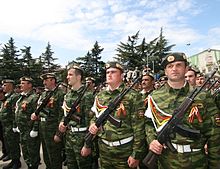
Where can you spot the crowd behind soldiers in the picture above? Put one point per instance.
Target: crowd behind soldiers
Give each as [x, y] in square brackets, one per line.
[142, 112]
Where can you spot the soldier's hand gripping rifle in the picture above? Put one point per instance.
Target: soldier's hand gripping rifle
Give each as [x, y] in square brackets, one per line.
[71, 114]
[174, 125]
[44, 102]
[106, 115]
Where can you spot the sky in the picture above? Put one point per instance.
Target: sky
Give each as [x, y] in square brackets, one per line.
[73, 26]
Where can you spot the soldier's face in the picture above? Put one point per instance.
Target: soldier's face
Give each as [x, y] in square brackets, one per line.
[49, 83]
[200, 80]
[72, 77]
[176, 71]
[25, 86]
[113, 76]
[146, 82]
[7, 87]
[191, 77]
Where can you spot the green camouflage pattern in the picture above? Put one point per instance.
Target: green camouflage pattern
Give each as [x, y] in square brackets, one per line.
[52, 151]
[7, 114]
[25, 106]
[168, 99]
[130, 112]
[75, 140]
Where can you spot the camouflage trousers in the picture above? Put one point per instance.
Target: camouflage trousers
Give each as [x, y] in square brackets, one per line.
[73, 146]
[171, 160]
[30, 147]
[52, 151]
[11, 140]
[114, 157]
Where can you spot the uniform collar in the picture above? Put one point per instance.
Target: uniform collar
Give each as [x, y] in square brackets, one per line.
[182, 90]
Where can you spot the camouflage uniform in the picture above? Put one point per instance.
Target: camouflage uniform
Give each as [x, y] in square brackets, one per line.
[49, 121]
[8, 121]
[193, 155]
[117, 144]
[77, 130]
[25, 106]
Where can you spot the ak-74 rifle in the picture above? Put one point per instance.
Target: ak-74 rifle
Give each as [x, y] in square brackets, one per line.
[174, 125]
[71, 114]
[106, 115]
[41, 107]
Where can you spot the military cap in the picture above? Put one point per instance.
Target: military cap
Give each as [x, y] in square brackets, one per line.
[114, 65]
[173, 57]
[29, 79]
[192, 68]
[90, 78]
[78, 67]
[200, 75]
[48, 75]
[163, 78]
[148, 73]
[8, 81]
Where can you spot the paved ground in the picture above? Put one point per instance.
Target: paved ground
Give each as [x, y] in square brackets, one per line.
[24, 166]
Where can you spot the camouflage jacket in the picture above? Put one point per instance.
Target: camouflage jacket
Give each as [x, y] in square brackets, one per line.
[8, 108]
[53, 110]
[205, 119]
[129, 111]
[25, 106]
[82, 113]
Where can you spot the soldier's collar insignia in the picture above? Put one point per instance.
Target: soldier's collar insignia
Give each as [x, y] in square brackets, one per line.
[170, 58]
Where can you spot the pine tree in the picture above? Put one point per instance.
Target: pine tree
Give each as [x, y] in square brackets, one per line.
[10, 66]
[47, 60]
[127, 53]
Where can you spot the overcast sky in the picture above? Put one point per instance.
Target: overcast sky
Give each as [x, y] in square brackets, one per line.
[73, 26]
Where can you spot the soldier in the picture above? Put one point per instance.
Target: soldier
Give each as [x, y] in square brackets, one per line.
[147, 84]
[49, 121]
[200, 78]
[190, 76]
[203, 116]
[91, 82]
[119, 147]
[78, 125]
[25, 105]
[4, 149]
[8, 120]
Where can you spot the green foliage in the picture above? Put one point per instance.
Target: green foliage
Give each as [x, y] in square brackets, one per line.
[92, 64]
[17, 63]
[132, 54]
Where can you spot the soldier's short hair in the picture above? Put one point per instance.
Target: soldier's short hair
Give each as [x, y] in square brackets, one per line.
[78, 70]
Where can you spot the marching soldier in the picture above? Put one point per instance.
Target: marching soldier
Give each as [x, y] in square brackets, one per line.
[25, 105]
[190, 76]
[119, 147]
[4, 149]
[78, 125]
[49, 120]
[8, 121]
[203, 116]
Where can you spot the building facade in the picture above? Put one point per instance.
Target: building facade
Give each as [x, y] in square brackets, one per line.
[206, 60]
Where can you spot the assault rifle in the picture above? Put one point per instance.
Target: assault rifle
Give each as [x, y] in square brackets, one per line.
[106, 115]
[41, 107]
[71, 114]
[174, 125]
